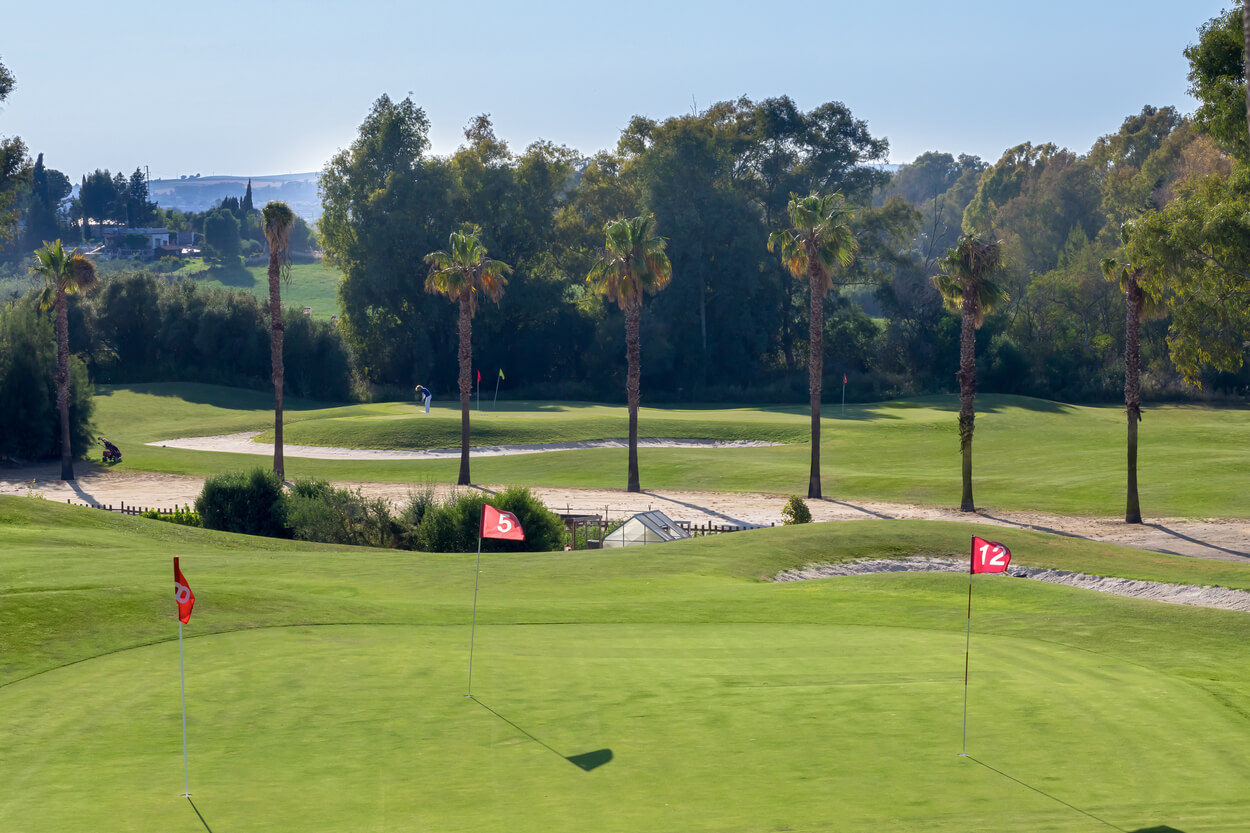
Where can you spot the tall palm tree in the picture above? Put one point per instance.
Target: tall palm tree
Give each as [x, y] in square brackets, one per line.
[462, 274]
[279, 219]
[818, 243]
[1136, 304]
[966, 288]
[633, 264]
[64, 273]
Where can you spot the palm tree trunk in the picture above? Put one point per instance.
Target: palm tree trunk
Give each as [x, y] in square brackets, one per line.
[815, 367]
[466, 388]
[967, 393]
[1245, 34]
[633, 385]
[276, 331]
[62, 382]
[1132, 390]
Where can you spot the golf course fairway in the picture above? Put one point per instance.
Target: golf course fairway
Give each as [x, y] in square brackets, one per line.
[667, 688]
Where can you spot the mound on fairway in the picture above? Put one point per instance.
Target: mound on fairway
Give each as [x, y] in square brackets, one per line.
[664, 688]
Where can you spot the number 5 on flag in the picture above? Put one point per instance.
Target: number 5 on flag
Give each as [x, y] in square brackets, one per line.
[499, 524]
[989, 556]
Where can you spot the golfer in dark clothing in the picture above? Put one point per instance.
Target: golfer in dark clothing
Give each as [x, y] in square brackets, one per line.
[424, 393]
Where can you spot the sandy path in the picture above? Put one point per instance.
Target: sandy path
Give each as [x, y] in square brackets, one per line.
[244, 443]
[1225, 539]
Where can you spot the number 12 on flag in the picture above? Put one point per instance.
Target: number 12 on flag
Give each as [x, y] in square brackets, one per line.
[989, 556]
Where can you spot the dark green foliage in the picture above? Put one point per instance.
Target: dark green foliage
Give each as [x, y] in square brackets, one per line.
[796, 512]
[248, 502]
[1217, 79]
[29, 428]
[453, 526]
[317, 511]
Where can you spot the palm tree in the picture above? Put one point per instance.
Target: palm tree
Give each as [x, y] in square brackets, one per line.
[966, 288]
[279, 220]
[462, 274]
[1136, 304]
[63, 273]
[633, 263]
[818, 243]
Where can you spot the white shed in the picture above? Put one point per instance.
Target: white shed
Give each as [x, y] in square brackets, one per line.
[644, 528]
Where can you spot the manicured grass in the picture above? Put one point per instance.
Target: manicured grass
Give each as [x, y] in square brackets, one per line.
[1028, 453]
[325, 690]
[313, 285]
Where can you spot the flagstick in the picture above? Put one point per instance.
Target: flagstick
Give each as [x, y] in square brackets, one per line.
[496, 399]
[844, 396]
[186, 769]
[967, 644]
[477, 572]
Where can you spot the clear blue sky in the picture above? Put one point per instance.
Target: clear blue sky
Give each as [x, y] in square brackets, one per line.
[225, 87]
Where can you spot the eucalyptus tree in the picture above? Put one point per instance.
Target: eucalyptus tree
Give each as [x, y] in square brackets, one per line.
[1136, 301]
[633, 264]
[965, 286]
[279, 219]
[818, 243]
[63, 273]
[462, 274]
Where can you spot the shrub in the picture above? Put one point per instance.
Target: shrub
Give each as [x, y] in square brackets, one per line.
[796, 511]
[183, 516]
[452, 526]
[317, 511]
[248, 502]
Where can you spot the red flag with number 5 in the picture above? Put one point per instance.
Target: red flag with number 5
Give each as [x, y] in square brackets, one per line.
[989, 556]
[182, 595]
[499, 524]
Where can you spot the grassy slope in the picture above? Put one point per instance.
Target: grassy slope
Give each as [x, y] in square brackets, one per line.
[1029, 454]
[312, 285]
[325, 689]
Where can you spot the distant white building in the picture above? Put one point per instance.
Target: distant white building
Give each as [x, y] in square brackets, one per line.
[116, 237]
[652, 527]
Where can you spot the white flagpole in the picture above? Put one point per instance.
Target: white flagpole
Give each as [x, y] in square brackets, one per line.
[495, 401]
[186, 770]
[477, 572]
[963, 750]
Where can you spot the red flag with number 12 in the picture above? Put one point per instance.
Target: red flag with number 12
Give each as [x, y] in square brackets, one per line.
[989, 556]
[499, 524]
[182, 595]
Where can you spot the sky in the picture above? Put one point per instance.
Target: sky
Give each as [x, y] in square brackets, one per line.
[251, 89]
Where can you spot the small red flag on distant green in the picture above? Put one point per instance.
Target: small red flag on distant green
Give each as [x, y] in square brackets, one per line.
[989, 556]
[182, 595]
[497, 523]
[479, 377]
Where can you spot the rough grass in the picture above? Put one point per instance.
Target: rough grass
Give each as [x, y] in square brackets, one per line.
[1028, 453]
[325, 689]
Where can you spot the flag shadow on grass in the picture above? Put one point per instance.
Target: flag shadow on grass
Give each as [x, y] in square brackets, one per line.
[585, 761]
[1085, 813]
[198, 813]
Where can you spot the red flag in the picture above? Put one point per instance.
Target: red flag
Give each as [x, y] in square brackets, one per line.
[499, 524]
[989, 556]
[844, 378]
[182, 595]
[479, 377]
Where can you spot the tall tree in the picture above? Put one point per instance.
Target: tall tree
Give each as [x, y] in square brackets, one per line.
[461, 274]
[14, 168]
[966, 288]
[818, 243]
[96, 195]
[1135, 300]
[633, 264]
[246, 205]
[63, 273]
[279, 218]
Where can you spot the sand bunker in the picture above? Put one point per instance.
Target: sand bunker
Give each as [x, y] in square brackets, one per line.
[1185, 594]
[245, 443]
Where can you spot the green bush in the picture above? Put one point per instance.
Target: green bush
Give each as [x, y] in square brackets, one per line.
[183, 516]
[248, 502]
[452, 526]
[318, 511]
[796, 511]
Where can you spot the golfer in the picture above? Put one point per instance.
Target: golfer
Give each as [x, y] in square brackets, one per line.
[424, 392]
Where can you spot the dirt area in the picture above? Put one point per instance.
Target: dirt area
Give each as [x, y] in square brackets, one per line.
[1218, 538]
[1186, 594]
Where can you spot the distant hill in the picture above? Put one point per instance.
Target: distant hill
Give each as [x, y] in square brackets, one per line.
[199, 193]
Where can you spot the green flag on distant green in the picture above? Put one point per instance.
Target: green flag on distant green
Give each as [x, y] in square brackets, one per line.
[501, 376]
